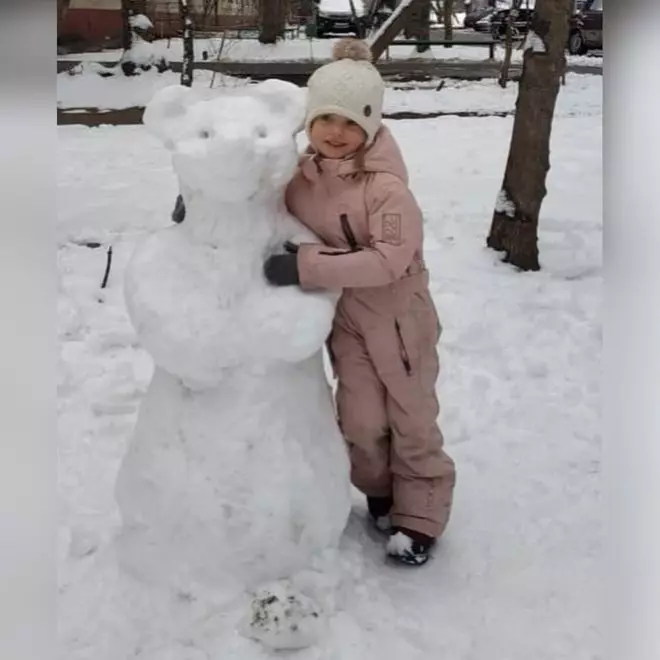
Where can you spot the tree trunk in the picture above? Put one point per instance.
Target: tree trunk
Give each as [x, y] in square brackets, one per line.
[272, 20]
[394, 24]
[506, 65]
[514, 228]
[188, 44]
[448, 7]
[126, 32]
[418, 25]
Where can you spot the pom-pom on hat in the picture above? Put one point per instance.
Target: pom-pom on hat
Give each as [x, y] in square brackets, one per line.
[349, 86]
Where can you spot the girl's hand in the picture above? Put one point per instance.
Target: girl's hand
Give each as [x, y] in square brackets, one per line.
[282, 269]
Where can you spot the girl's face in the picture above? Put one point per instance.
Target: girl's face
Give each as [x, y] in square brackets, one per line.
[334, 136]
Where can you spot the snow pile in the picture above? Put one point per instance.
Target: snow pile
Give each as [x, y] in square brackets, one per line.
[534, 43]
[505, 205]
[143, 54]
[283, 619]
[517, 574]
[141, 22]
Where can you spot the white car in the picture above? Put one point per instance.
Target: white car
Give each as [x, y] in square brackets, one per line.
[336, 17]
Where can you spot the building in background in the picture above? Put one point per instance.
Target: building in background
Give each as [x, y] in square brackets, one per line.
[99, 22]
[89, 21]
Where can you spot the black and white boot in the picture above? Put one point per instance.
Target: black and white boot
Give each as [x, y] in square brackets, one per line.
[409, 547]
[379, 510]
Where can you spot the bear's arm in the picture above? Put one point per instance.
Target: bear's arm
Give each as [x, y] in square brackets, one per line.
[191, 333]
[286, 323]
[177, 319]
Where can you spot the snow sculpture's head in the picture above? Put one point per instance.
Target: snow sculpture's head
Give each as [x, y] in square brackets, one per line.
[236, 146]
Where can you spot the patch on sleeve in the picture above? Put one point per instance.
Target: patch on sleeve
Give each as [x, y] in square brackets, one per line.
[391, 228]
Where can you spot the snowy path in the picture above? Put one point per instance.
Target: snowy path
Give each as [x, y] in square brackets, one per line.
[516, 575]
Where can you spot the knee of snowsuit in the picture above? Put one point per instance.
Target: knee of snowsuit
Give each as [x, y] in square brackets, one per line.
[387, 370]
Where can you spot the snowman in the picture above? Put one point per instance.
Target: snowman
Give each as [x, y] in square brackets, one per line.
[237, 475]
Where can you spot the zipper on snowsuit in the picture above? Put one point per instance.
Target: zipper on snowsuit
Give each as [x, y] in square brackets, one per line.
[350, 239]
[405, 358]
[348, 233]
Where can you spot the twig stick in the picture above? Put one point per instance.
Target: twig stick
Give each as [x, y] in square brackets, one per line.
[108, 265]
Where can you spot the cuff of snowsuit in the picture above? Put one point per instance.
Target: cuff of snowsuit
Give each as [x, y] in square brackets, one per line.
[306, 266]
[422, 525]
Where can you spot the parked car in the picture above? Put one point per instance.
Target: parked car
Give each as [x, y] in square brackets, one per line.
[481, 20]
[520, 26]
[586, 28]
[336, 17]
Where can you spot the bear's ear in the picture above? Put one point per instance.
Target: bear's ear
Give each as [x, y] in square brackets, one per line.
[165, 113]
[284, 99]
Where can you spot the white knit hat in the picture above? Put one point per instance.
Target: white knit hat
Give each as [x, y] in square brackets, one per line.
[350, 86]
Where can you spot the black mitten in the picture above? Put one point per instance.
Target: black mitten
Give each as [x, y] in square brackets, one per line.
[282, 269]
[179, 213]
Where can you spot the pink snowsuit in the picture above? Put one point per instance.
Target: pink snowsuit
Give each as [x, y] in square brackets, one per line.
[385, 332]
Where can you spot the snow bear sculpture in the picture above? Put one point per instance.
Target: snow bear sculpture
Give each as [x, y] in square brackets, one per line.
[237, 473]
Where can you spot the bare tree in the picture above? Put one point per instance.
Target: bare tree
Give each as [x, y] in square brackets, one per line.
[514, 228]
[188, 44]
[272, 20]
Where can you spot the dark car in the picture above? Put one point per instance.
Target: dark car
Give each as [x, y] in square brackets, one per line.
[520, 26]
[336, 17]
[586, 28]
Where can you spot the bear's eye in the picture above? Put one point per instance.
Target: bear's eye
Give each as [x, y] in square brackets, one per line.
[204, 134]
[261, 132]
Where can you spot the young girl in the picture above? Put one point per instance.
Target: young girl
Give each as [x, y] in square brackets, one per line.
[351, 190]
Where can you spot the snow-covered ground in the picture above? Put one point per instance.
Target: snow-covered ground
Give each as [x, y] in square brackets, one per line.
[516, 575]
[250, 50]
[581, 95]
